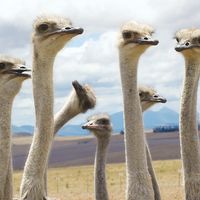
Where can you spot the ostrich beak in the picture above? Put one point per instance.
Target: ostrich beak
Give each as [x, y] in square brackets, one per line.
[83, 96]
[68, 30]
[20, 70]
[78, 87]
[158, 99]
[186, 45]
[89, 125]
[147, 40]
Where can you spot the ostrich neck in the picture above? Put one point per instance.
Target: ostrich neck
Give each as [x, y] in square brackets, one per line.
[5, 148]
[139, 185]
[100, 164]
[134, 134]
[188, 119]
[67, 112]
[43, 98]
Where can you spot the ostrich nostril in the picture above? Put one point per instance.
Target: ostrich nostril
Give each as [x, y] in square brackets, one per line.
[155, 96]
[146, 38]
[187, 44]
[67, 28]
[22, 67]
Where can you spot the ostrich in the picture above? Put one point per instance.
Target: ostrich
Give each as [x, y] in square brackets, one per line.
[148, 98]
[80, 100]
[12, 74]
[189, 45]
[49, 36]
[134, 40]
[101, 127]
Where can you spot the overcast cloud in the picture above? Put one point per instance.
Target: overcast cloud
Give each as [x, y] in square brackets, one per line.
[92, 57]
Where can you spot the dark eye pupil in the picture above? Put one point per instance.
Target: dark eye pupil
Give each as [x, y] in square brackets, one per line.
[2, 65]
[43, 27]
[127, 35]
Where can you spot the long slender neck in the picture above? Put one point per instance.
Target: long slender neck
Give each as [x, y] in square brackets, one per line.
[5, 148]
[67, 112]
[70, 109]
[134, 137]
[136, 163]
[101, 192]
[157, 196]
[8, 194]
[43, 97]
[188, 127]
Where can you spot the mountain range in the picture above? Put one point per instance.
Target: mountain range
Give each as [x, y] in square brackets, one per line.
[151, 119]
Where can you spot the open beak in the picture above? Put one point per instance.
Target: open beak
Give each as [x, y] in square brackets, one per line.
[20, 70]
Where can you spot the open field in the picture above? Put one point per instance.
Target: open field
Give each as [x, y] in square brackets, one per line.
[73, 151]
[76, 183]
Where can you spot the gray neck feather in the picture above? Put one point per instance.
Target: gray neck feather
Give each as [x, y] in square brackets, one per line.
[5, 149]
[32, 182]
[139, 186]
[101, 192]
[70, 109]
[188, 129]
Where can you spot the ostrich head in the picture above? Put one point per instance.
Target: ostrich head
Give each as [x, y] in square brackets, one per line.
[149, 97]
[12, 73]
[85, 95]
[50, 33]
[100, 125]
[136, 37]
[188, 41]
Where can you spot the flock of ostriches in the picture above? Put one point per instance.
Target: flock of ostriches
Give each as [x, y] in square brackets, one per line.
[50, 34]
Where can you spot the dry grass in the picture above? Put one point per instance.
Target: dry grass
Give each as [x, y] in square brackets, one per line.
[76, 183]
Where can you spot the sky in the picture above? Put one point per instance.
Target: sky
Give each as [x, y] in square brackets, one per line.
[92, 57]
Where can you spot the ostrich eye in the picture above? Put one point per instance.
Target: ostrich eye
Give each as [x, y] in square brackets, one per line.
[140, 94]
[103, 121]
[43, 27]
[127, 34]
[2, 65]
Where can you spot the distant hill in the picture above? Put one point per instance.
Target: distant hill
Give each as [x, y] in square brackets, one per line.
[162, 117]
[23, 129]
[151, 119]
[68, 130]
